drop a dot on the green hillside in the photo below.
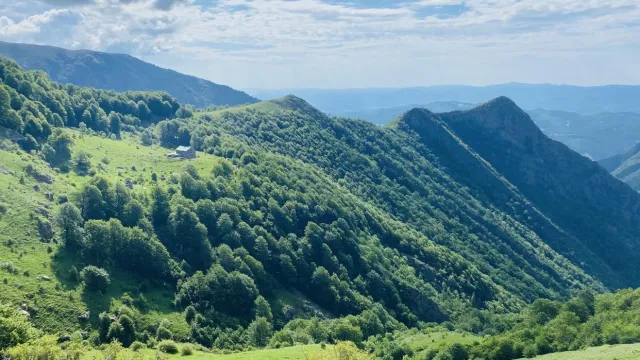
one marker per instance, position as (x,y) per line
(120,72)
(572,191)
(289,228)
(605,352)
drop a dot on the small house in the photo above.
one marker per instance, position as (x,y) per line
(186,152)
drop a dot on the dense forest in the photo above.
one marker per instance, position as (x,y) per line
(292,227)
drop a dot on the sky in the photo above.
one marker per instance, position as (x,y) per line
(350,44)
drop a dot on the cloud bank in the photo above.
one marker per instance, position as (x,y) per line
(332,43)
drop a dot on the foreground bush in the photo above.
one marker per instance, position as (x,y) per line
(45,348)
(168,346)
(14,328)
(187,350)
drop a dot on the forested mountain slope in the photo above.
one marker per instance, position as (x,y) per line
(120,72)
(574,192)
(290,226)
(399,174)
(369,160)
(270,222)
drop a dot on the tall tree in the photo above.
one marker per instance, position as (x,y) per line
(160,206)
(69,220)
(190,238)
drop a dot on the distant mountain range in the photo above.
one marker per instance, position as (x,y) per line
(598,136)
(120,72)
(584,100)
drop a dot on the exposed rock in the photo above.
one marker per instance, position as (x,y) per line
(42,211)
(39,176)
(24,312)
(44,278)
(6,171)
(45,229)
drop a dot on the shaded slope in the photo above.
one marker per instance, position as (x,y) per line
(573,191)
(396,173)
(121,73)
(625,167)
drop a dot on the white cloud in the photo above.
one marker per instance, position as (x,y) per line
(312,43)
(40,27)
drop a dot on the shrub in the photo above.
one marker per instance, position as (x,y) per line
(168,346)
(187,350)
(95,278)
(43,348)
(82,162)
(163,333)
(14,328)
(137,345)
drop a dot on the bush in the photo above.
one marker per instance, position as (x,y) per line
(14,328)
(95,278)
(137,345)
(187,350)
(164,333)
(168,346)
(282,338)
(82,162)
(453,352)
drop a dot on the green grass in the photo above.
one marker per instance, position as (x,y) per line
(423,341)
(606,352)
(300,352)
(59,302)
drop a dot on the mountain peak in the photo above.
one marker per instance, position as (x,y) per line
(500,116)
(501,104)
(295,103)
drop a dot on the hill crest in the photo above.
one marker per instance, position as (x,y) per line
(120,72)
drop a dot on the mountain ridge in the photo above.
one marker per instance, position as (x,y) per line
(120,72)
(552,176)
